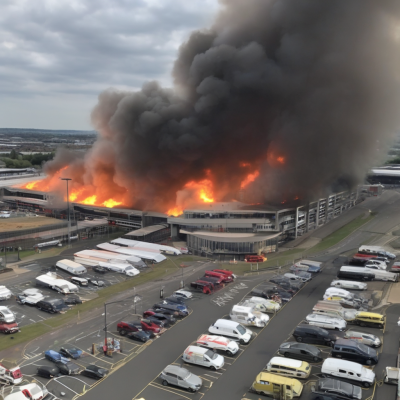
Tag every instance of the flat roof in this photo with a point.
(146, 230)
(230, 237)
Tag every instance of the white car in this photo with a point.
(326, 321)
(30, 296)
(5, 293)
(262, 305)
(32, 391)
(373, 263)
(294, 277)
(332, 291)
(351, 285)
(218, 343)
(183, 293)
(6, 315)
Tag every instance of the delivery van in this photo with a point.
(348, 370)
(289, 367)
(272, 385)
(204, 357)
(232, 329)
(218, 343)
(248, 316)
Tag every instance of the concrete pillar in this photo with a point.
(326, 208)
(296, 222)
(317, 214)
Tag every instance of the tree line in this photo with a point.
(18, 160)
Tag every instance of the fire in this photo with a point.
(203, 190)
(110, 203)
(91, 200)
(280, 160)
(249, 178)
(31, 185)
(176, 211)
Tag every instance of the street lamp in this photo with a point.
(69, 223)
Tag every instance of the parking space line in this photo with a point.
(158, 386)
(73, 391)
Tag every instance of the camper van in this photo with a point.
(204, 357)
(334, 309)
(274, 386)
(356, 273)
(121, 268)
(289, 367)
(348, 370)
(349, 285)
(248, 316)
(262, 305)
(71, 267)
(379, 274)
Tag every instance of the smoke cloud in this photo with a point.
(306, 92)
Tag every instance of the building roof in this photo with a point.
(231, 237)
(146, 230)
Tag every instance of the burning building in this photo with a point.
(281, 99)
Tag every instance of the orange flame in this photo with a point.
(203, 190)
(250, 178)
(280, 159)
(176, 211)
(110, 203)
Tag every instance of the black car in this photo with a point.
(48, 371)
(268, 292)
(71, 353)
(164, 311)
(94, 371)
(354, 351)
(181, 309)
(343, 390)
(176, 299)
(72, 299)
(68, 368)
(287, 283)
(52, 305)
(141, 336)
(316, 396)
(314, 335)
(100, 270)
(166, 318)
(301, 351)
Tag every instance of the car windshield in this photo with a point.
(211, 354)
(241, 329)
(364, 348)
(185, 374)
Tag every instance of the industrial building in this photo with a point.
(225, 230)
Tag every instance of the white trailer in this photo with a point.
(93, 257)
(51, 281)
(72, 267)
(154, 257)
(380, 274)
(126, 269)
(137, 243)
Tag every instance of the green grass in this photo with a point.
(340, 234)
(35, 330)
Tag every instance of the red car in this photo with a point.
(213, 274)
(148, 325)
(205, 287)
(225, 272)
(124, 327)
(9, 328)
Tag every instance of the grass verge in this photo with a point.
(340, 234)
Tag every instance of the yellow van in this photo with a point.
(373, 320)
(276, 386)
(289, 367)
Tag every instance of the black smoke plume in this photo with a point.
(306, 91)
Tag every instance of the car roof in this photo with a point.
(174, 369)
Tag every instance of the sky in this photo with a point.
(58, 55)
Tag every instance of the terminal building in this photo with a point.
(388, 175)
(222, 230)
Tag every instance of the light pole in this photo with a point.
(69, 222)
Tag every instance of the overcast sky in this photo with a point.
(56, 56)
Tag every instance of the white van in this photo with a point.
(348, 370)
(294, 277)
(326, 321)
(231, 329)
(218, 343)
(334, 309)
(248, 316)
(122, 268)
(350, 285)
(289, 367)
(5, 293)
(376, 263)
(204, 357)
(380, 275)
(72, 267)
(262, 305)
(332, 291)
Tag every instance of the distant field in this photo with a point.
(14, 224)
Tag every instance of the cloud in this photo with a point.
(55, 48)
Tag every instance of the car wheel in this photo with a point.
(286, 354)
(380, 326)
(241, 341)
(212, 368)
(122, 332)
(165, 383)
(369, 362)
(191, 390)
(363, 324)
(299, 339)
(315, 359)
(144, 340)
(366, 384)
(229, 353)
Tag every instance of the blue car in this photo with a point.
(71, 353)
(53, 356)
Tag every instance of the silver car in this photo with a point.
(177, 376)
(363, 337)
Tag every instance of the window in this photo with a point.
(351, 373)
(342, 371)
(264, 382)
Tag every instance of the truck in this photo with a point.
(254, 259)
(71, 267)
(10, 373)
(92, 258)
(52, 281)
(31, 391)
(121, 268)
(130, 251)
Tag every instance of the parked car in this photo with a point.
(79, 281)
(30, 296)
(152, 315)
(48, 371)
(52, 306)
(221, 343)
(31, 391)
(349, 285)
(160, 323)
(301, 351)
(304, 274)
(181, 377)
(141, 336)
(71, 353)
(9, 327)
(296, 278)
(326, 321)
(94, 371)
(68, 368)
(124, 327)
(6, 315)
(269, 293)
(100, 270)
(354, 351)
(314, 335)
(96, 282)
(160, 310)
(395, 267)
(176, 300)
(148, 325)
(72, 299)
(183, 293)
(363, 337)
(337, 388)
(181, 309)
(54, 356)
(286, 283)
